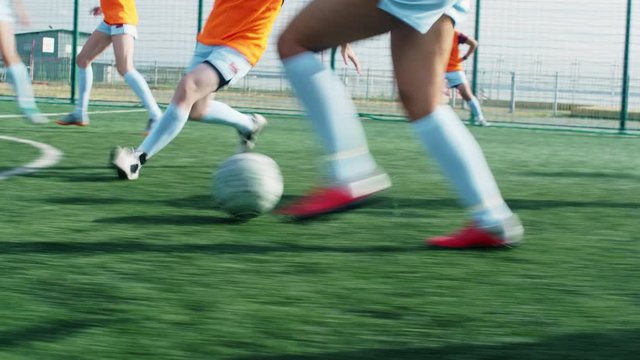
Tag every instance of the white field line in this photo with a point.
(49, 157)
(11, 116)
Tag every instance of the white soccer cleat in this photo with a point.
(34, 116)
(482, 122)
(126, 162)
(248, 141)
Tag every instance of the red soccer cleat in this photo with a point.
(74, 120)
(64, 123)
(472, 236)
(334, 199)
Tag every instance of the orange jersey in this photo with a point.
(455, 63)
(119, 12)
(243, 25)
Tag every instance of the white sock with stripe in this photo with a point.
(85, 81)
(333, 116)
(461, 159)
(220, 113)
(139, 86)
(19, 78)
(169, 126)
(476, 110)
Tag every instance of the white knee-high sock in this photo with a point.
(333, 116)
(170, 125)
(19, 78)
(139, 86)
(85, 81)
(461, 159)
(220, 113)
(476, 110)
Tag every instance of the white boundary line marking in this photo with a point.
(50, 156)
(11, 116)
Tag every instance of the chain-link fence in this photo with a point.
(544, 62)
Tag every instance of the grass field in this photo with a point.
(95, 268)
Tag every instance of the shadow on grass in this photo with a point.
(46, 331)
(403, 205)
(583, 175)
(542, 204)
(525, 204)
(619, 345)
(83, 178)
(88, 174)
(183, 220)
(198, 202)
(378, 202)
(129, 247)
(379, 206)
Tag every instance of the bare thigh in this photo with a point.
(8, 44)
(419, 62)
(465, 91)
(95, 45)
(199, 108)
(194, 86)
(123, 46)
(325, 24)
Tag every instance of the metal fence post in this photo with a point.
(74, 55)
(200, 9)
(332, 59)
(155, 73)
(366, 96)
(474, 84)
(555, 96)
(624, 107)
(512, 103)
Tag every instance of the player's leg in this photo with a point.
(195, 85)
(96, 44)
(211, 111)
(18, 74)
(123, 47)
(231, 66)
(419, 60)
(352, 172)
(474, 104)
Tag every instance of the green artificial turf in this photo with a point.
(96, 268)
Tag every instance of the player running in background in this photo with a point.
(456, 78)
(230, 44)
(119, 29)
(420, 46)
(16, 70)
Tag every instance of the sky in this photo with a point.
(582, 38)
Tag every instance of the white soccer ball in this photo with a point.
(247, 185)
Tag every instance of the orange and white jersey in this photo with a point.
(243, 25)
(455, 63)
(118, 12)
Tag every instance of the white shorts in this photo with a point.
(419, 14)
(459, 11)
(230, 64)
(118, 29)
(6, 15)
(455, 78)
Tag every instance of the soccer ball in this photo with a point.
(247, 185)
